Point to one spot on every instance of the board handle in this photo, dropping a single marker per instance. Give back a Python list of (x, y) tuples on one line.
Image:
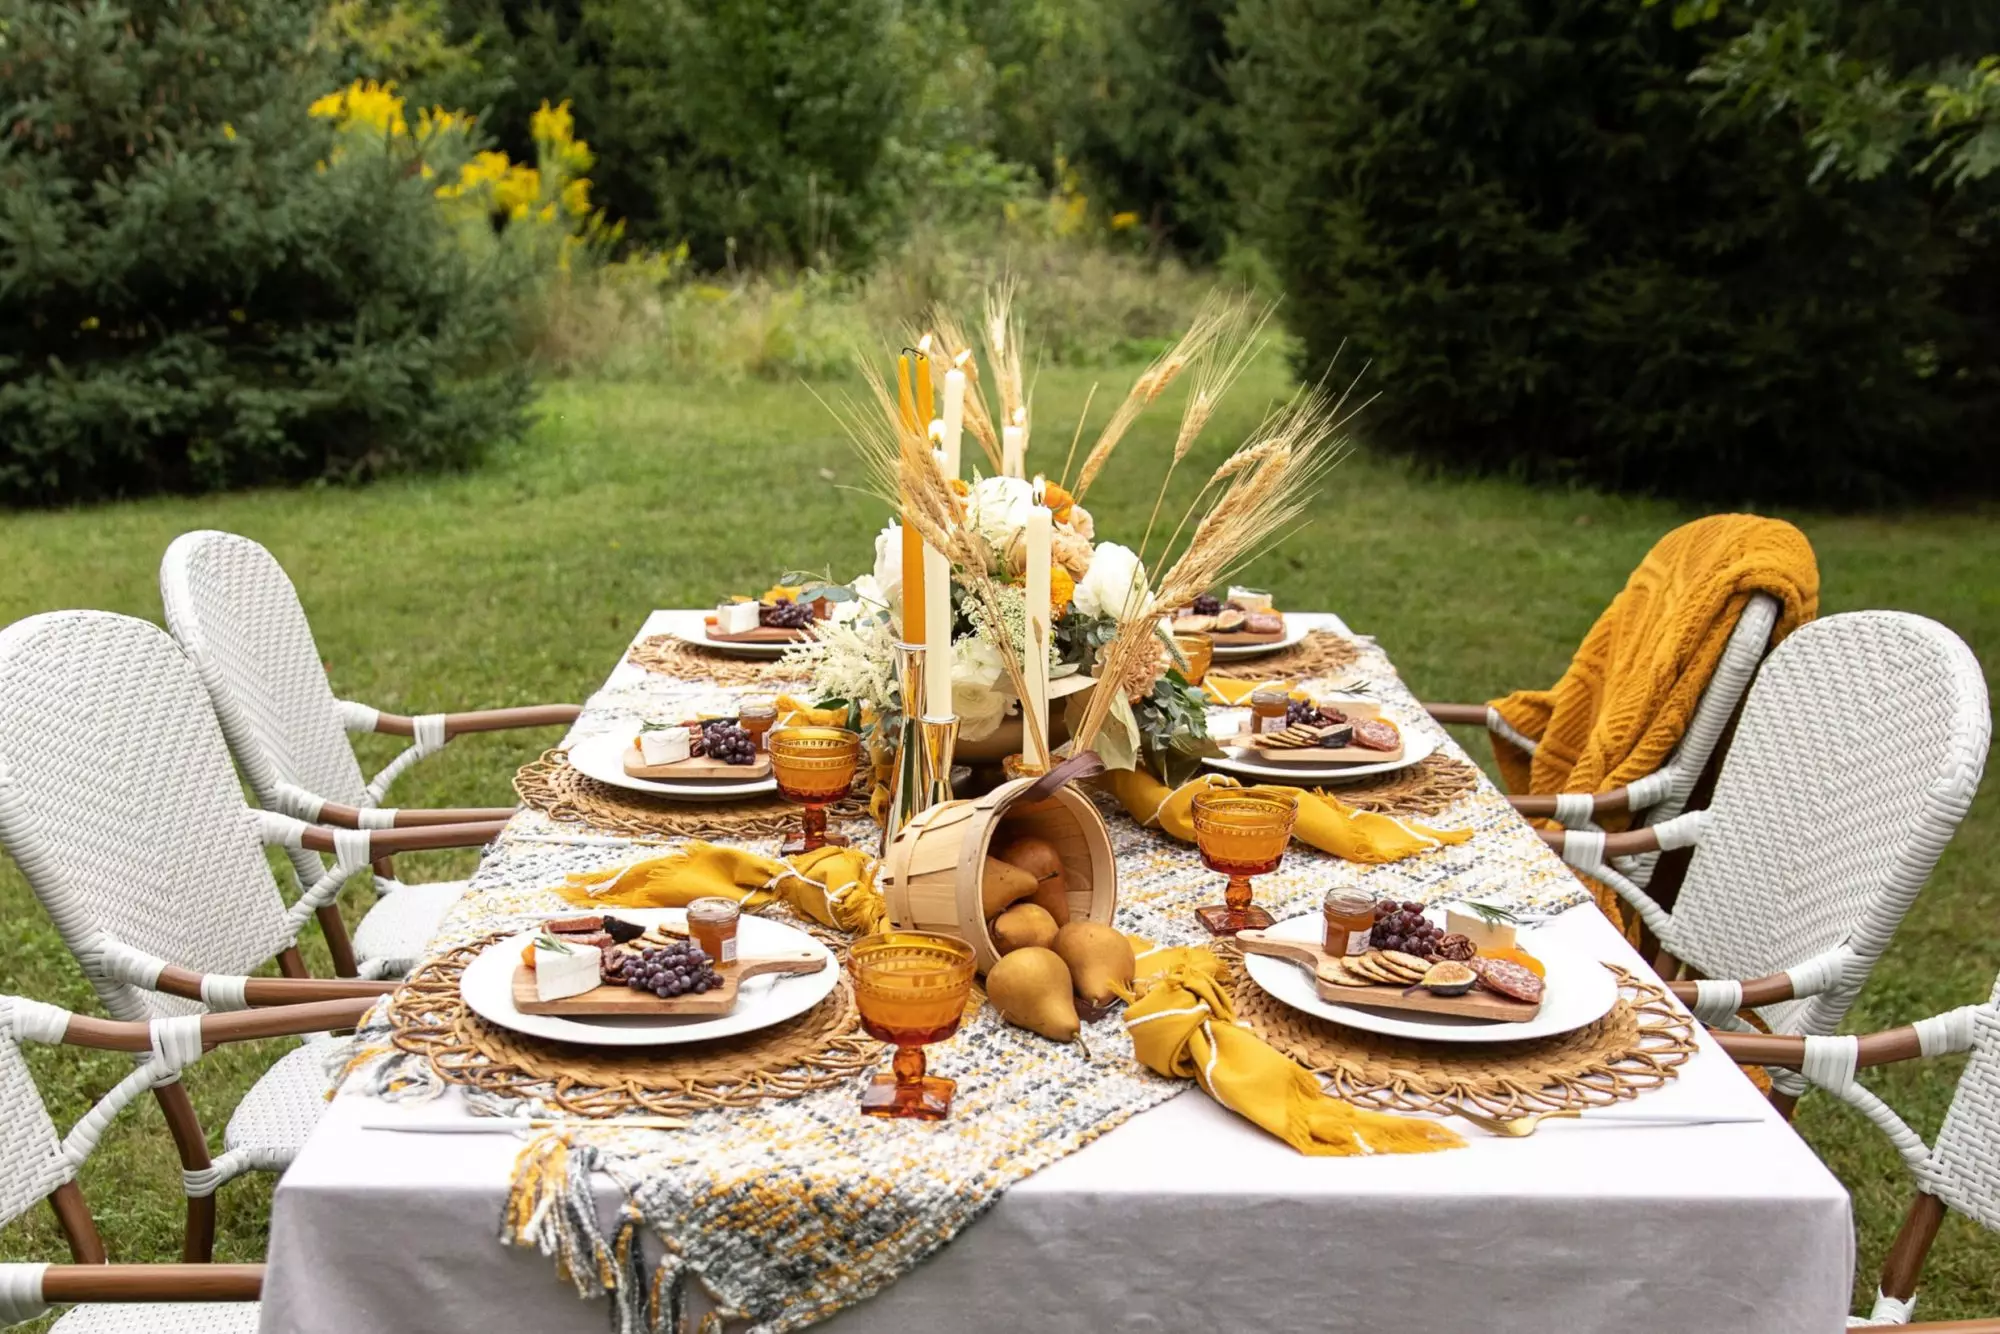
[(1292, 951), (797, 962)]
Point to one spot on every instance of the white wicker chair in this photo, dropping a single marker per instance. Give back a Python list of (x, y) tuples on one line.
[(118, 800), (232, 607), (1664, 793), (1857, 754), (1961, 1170), (36, 1164)]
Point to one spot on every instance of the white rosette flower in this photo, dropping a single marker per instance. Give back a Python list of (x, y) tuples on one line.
[(1115, 583), (976, 696), (867, 601), (998, 509), (888, 576)]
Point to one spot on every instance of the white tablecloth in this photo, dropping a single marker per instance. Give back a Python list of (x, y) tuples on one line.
[(1185, 1218)]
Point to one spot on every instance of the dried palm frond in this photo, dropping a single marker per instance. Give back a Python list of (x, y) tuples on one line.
[(1208, 325)]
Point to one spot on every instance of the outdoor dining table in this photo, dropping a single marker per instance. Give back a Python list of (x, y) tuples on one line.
[(1186, 1217)]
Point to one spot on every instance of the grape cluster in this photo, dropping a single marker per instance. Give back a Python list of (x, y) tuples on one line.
[(785, 614), (1304, 711), (1207, 605), (726, 743), (679, 969), (1401, 926)]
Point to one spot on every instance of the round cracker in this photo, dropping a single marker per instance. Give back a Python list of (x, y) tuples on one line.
[(1399, 959), (1336, 971), (1369, 967)]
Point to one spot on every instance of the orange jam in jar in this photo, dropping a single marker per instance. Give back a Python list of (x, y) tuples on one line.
[(757, 716), (1350, 917), (712, 924)]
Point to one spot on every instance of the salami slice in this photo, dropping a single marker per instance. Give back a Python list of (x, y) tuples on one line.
[(1509, 979), (1375, 734)]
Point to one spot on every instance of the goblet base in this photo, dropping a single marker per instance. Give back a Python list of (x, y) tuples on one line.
[(1222, 920), (924, 1099), (795, 844)]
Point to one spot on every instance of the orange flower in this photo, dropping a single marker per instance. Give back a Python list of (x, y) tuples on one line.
[(1061, 589), (1058, 501), (960, 485)]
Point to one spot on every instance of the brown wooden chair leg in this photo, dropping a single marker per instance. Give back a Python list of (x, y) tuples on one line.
[(1786, 1103), (385, 867), (79, 1228), (198, 1242), (1913, 1242), (334, 928), (291, 963)]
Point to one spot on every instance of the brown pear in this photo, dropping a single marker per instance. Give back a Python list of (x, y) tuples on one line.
[(1099, 959), (1039, 858), (1003, 884), (1031, 989), (1023, 925)]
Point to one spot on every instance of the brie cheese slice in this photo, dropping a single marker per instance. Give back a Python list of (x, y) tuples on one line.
[(1249, 599), (566, 972), (667, 745), (1486, 935), (736, 618)]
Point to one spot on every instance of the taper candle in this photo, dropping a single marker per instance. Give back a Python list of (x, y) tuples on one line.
[(1035, 669), (1014, 445), (954, 412), (913, 545), (937, 628)]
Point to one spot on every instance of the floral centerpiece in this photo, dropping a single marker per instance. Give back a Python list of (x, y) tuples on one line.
[(1104, 608)]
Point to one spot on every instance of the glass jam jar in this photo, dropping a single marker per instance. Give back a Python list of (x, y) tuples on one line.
[(1267, 710), (1350, 917), (757, 716), (712, 923)]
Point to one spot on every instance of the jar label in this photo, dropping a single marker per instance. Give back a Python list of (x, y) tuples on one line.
[(1357, 941), (729, 948)]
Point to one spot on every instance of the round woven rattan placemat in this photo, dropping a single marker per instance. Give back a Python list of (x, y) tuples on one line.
[(1318, 654), (553, 787), (1425, 788), (1639, 1045), (669, 656), (429, 1018)]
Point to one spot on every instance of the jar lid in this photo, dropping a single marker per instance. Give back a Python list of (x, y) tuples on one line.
[(1270, 695), (1350, 897), (714, 908)]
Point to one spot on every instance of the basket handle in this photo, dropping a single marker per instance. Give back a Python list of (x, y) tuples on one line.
[(1083, 764)]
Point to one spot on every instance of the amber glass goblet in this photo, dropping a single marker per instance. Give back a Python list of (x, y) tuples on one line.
[(815, 767), (1199, 650), (911, 988), (1241, 832)]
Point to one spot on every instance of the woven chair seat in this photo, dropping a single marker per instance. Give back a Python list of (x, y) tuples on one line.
[(281, 1109), (392, 938), (160, 1318)]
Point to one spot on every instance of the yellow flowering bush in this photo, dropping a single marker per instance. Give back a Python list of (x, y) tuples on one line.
[(543, 208)]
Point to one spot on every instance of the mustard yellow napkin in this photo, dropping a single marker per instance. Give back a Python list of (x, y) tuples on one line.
[(1324, 822), (1185, 1027), (833, 886), (1230, 692), (797, 713)]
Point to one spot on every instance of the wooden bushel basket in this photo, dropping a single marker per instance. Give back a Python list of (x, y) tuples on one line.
[(930, 877)]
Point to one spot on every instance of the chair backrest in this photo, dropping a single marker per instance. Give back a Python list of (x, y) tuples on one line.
[(232, 607), (1856, 757), (1964, 1165), (31, 1152), (118, 800)]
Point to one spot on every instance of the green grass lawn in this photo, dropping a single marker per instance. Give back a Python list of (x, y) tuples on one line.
[(523, 582)]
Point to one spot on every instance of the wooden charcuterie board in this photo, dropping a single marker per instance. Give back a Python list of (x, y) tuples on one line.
[(763, 634), (695, 768), (1314, 755), (1474, 1004), (619, 999), (1240, 638)]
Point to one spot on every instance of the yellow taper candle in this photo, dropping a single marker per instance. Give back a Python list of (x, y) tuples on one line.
[(913, 545)]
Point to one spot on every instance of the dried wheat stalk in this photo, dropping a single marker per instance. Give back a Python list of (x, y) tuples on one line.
[(1208, 325)]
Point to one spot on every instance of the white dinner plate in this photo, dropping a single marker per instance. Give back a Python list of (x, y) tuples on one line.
[(1295, 632), (1416, 746), (488, 987), (603, 757), (695, 631), (1579, 990)]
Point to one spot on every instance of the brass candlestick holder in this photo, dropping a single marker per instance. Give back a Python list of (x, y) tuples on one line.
[(937, 740), (924, 749)]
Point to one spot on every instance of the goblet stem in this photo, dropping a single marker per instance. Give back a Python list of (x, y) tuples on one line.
[(1237, 896), (815, 839), (909, 1068)]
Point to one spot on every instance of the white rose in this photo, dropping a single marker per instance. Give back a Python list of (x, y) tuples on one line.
[(980, 710), (976, 662), (998, 508), (888, 567), (868, 600), (1114, 584)]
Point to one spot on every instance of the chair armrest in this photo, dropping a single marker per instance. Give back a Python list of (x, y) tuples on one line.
[(1788, 1051), (385, 842), (285, 1020), (1627, 843), (356, 817), (152, 1283), (1584, 806), (485, 720), (1472, 715), (220, 992)]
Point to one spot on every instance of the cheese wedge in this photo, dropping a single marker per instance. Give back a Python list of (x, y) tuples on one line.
[(736, 618), (1482, 933), (1249, 599), (664, 745), (570, 971)]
